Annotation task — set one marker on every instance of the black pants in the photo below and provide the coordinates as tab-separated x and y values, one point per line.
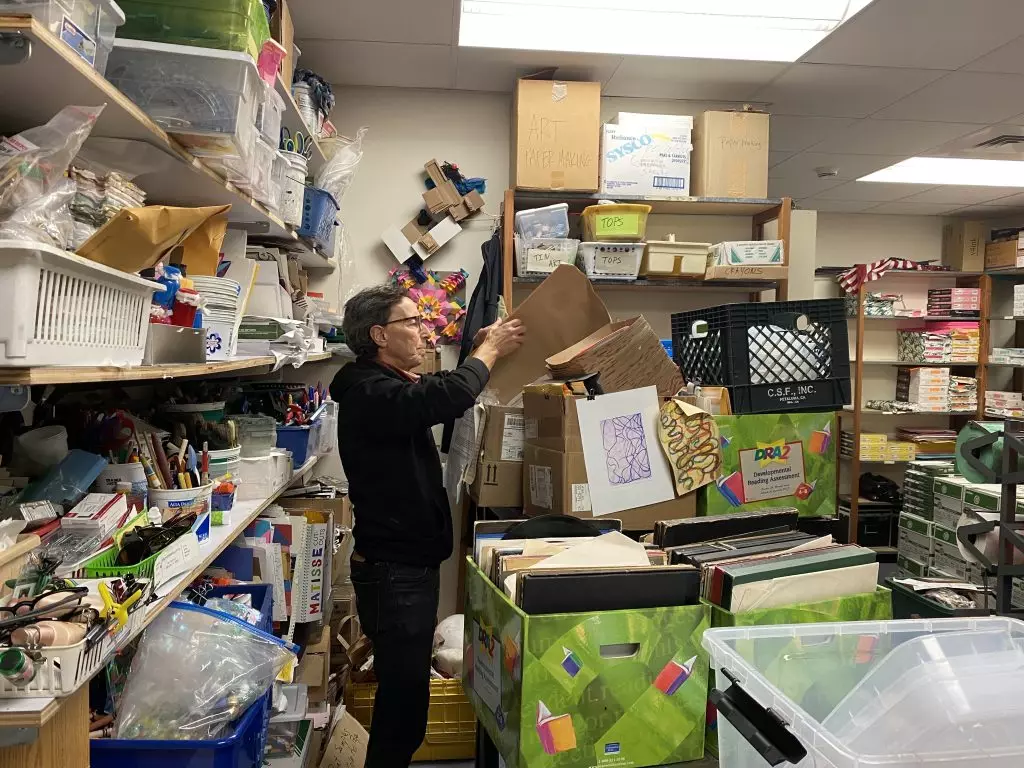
397	607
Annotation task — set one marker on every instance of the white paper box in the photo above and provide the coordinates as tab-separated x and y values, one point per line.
642	161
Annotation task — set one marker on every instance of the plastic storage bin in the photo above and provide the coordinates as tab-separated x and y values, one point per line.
301	440
327	439
908	604
62	309
242	749
620	222
253	172
668	258
318	211
451	723
87	26
540	256
927	694
228	25
774	357
270	115
256	435
611	261
550	221
207	99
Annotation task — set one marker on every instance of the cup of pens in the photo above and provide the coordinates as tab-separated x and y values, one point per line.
181	501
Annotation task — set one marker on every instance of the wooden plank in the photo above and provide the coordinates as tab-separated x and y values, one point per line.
88	374
59	77
665	284
63	741
508	212
858	394
984	342
669	205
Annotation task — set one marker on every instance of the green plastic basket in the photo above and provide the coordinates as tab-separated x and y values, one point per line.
104	566
227	25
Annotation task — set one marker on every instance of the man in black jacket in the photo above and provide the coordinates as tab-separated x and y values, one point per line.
403	528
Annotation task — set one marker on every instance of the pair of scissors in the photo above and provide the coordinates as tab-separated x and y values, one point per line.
297	142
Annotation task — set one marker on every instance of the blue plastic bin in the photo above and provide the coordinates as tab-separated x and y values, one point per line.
318	211
300	440
242	749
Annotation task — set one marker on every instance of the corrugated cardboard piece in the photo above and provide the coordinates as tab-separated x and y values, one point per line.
559	312
627	354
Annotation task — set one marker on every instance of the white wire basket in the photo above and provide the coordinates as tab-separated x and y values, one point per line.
540	256
57	308
612	261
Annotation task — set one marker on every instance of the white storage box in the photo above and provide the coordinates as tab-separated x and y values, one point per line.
646	160
270	115
746	252
57	308
87	26
940	693
668	258
611	261
252	173
206	98
543	255
550	221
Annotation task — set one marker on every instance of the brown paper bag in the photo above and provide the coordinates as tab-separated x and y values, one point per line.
138	238
560	311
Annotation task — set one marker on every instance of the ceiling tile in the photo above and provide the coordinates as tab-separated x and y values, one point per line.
774	158
929	34
800	188
699	79
850	167
873	192
1009	58
388	21
840	91
792	133
495	69
1014	199
381	64
986	211
967	97
834	206
892	137
964	195
903	208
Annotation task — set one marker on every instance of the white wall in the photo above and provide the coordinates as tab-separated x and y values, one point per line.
845	239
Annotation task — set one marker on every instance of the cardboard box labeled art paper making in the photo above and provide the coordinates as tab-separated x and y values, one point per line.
550	691
774	460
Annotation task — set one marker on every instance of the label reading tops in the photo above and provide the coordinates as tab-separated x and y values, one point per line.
618	225
772	470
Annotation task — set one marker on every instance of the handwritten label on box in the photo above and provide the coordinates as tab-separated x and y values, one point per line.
618	225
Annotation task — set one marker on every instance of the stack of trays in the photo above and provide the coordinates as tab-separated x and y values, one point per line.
223	298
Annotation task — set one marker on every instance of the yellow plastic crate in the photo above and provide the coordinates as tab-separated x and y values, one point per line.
451	724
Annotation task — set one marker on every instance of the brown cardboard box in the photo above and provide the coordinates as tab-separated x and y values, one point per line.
314	668
556	134
431	362
1005	254
555	482
503	434
340	506
498	484
963	245
747	272
627	354
282	31
730	154
550	416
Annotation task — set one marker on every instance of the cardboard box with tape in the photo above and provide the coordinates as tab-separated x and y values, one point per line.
498	481
730	155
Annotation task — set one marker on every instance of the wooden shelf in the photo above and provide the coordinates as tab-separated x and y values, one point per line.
918	363
873	412
53	76
701	206
664	285
926	319
292	120
1013	272
35	712
54	374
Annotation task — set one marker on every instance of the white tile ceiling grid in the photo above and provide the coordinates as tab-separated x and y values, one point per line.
904	77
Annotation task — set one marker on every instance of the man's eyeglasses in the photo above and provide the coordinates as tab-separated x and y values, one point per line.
410	322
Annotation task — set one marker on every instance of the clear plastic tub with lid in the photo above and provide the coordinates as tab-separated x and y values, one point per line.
208	99
87	26
939	693
550	221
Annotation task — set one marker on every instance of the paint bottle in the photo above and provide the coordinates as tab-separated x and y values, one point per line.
17	666
48	634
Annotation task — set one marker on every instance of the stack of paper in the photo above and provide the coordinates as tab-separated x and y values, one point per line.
931	441
939	343
954	302
98	198
963	393
872	445
927	387
1007	404
1018	300
1007	355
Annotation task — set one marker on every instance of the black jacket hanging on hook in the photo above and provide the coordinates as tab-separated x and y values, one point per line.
483	307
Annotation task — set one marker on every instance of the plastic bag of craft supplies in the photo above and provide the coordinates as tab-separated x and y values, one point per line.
197	671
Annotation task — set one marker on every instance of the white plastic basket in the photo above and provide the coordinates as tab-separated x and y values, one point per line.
612	261
543	255
63	670
57	308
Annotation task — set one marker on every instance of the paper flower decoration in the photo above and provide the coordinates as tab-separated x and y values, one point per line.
436	298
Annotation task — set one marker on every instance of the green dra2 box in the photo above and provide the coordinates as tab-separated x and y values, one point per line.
774	460
583	690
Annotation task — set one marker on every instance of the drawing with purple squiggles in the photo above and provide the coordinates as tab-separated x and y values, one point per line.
625	449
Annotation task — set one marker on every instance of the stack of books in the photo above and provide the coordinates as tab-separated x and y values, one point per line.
954	302
918	486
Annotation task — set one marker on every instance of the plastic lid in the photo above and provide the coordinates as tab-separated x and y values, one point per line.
116	11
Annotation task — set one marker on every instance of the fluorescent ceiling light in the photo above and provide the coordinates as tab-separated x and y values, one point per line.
952	170
751	30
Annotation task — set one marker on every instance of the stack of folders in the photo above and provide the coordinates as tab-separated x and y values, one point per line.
778	568
606	571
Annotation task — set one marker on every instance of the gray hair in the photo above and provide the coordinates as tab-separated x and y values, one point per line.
369	307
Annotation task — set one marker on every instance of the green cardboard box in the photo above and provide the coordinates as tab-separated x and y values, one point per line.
871	606
774	460
585	690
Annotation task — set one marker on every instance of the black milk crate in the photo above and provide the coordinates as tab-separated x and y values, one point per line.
774	357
